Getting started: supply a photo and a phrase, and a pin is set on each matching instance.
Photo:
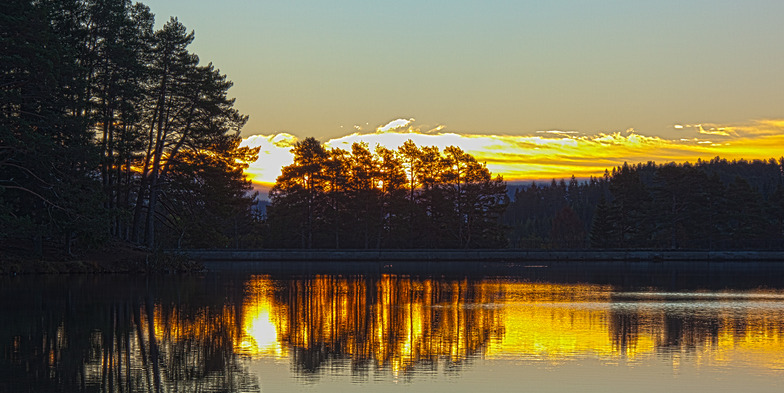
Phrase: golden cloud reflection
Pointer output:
(399, 323)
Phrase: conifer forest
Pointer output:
(112, 130)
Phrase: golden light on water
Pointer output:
(260, 324)
(556, 322)
(400, 323)
(551, 154)
(395, 322)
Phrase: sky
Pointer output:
(536, 89)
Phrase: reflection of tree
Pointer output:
(99, 338)
(672, 330)
(392, 322)
(185, 334)
(398, 324)
(624, 330)
(197, 349)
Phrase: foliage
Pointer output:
(410, 198)
(531, 215)
(713, 204)
(112, 129)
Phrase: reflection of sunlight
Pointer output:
(261, 337)
(398, 322)
(259, 331)
(752, 339)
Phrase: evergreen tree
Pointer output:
(298, 203)
(359, 199)
(601, 229)
(568, 230)
(745, 214)
(205, 202)
(364, 195)
(776, 206)
(660, 206)
(393, 206)
(46, 154)
(90, 94)
(629, 208)
(337, 176)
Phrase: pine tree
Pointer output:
(601, 229)
(567, 231)
(747, 223)
(46, 151)
(298, 200)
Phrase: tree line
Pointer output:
(711, 205)
(111, 128)
(412, 197)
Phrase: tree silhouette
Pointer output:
(363, 199)
(97, 111)
(716, 204)
(568, 230)
(298, 199)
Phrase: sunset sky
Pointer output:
(537, 89)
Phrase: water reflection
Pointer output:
(201, 334)
(715, 329)
(113, 335)
(391, 322)
(398, 323)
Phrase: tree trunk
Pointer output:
(149, 233)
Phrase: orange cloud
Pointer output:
(551, 154)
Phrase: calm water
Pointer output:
(333, 333)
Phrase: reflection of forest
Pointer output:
(398, 323)
(717, 331)
(191, 334)
(394, 322)
(106, 334)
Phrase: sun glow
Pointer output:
(260, 330)
(274, 154)
(549, 154)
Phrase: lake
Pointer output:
(527, 331)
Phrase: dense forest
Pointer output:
(412, 197)
(709, 205)
(112, 129)
(416, 197)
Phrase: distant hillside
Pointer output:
(263, 190)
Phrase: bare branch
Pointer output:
(41, 197)
(28, 172)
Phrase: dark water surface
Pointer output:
(530, 331)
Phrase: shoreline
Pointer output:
(536, 263)
(124, 260)
(503, 255)
(113, 258)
